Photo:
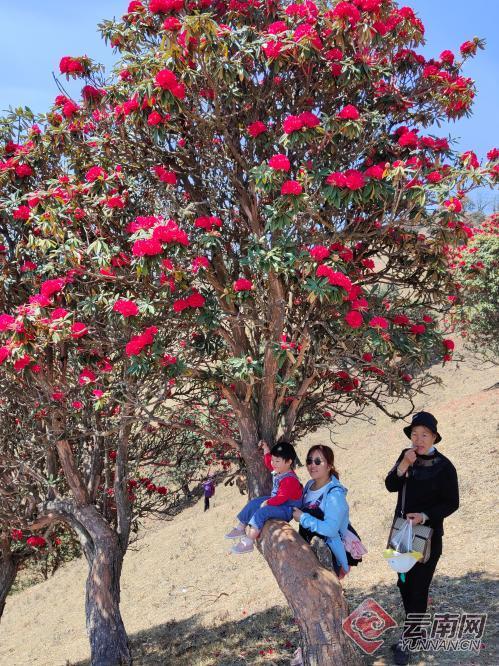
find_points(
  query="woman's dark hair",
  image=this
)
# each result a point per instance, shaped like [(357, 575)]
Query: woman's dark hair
[(328, 454)]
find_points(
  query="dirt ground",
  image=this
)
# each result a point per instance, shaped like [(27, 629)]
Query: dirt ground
[(187, 602)]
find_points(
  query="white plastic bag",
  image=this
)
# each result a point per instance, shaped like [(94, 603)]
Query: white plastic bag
[(402, 540), (400, 556)]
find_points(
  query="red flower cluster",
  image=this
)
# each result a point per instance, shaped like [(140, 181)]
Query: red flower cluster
[(166, 80), (165, 6), (256, 128), (207, 223), (335, 278), (279, 162), (69, 65), (351, 179), (306, 120), (94, 173), (292, 187), (138, 342), (354, 319), (349, 112), (36, 542), (319, 252), (126, 308), (164, 175), (195, 300), (379, 323), (242, 285)]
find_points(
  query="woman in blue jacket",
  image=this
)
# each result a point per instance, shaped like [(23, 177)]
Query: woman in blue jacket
[(325, 510)]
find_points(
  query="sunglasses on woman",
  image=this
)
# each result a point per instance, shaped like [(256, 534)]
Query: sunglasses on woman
[(315, 461)]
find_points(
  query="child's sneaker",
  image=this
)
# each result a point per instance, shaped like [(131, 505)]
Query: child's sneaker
[(244, 546), (322, 552), (235, 533)]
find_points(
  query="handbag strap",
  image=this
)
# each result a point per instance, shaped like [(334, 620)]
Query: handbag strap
[(402, 500)]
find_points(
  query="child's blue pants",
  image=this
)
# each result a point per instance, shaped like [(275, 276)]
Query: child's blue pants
[(254, 516)]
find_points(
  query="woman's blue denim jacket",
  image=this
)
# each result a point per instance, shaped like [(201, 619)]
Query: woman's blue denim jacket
[(336, 516)]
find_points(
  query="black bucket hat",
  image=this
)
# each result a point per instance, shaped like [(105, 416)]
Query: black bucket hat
[(424, 419), (284, 450)]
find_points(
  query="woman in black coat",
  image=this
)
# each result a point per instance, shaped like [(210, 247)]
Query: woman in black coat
[(431, 495)]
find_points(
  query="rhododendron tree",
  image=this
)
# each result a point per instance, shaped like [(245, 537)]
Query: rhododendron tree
[(475, 266), (252, 215)]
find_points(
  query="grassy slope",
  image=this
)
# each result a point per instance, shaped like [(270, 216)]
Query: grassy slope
[(186, 601)]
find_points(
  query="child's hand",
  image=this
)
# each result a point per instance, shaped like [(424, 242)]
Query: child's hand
[(297, 514), (262, 444), (263, 504)]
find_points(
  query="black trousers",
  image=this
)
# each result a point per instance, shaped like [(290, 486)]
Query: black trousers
[(414, 590), (206, 503)]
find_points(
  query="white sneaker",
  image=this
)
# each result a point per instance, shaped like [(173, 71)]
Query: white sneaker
[(235, 533), (244, 546)]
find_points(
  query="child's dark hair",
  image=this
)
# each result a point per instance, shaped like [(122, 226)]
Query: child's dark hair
[(328, 454), (284, 450)]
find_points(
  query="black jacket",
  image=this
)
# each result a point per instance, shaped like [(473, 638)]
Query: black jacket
[(432, 488)]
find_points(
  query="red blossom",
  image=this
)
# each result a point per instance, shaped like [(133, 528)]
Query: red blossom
[(349, 112), (242, 284), (279, 162), (379, 323), (292, 187), (319, 252), (147, 247), (164, 175), (256, 128), (78, 330), (51, 287), (335, 278), (354, 319), (22, 213), (94, 173), (126, 308), (69, 65)]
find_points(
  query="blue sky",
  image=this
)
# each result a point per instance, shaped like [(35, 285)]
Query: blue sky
[(36, 35)]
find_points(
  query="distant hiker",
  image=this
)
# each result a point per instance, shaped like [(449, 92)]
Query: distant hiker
[(208, 490), (286, 494), (324, 517), (427, 487)]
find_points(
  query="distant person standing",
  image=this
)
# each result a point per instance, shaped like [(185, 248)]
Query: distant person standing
[(427, 487), (208, 490)]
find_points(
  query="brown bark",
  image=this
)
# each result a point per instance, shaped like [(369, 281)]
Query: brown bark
[(101, 546), (314, 594), (108, 639), (8, 572)]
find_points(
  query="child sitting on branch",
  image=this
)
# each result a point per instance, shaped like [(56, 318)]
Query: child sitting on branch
[(286, 494)]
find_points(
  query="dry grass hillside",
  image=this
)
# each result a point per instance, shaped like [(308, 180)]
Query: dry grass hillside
[(187, 602)]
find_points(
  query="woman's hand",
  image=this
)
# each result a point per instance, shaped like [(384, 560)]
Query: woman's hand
[(415, 518), (297, 514), (406, 462), (409, 457), (265, 503)]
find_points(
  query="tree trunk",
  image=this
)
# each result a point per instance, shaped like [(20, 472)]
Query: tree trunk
[(106, 632), (101, 546), (8, 572), (314, 594)]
